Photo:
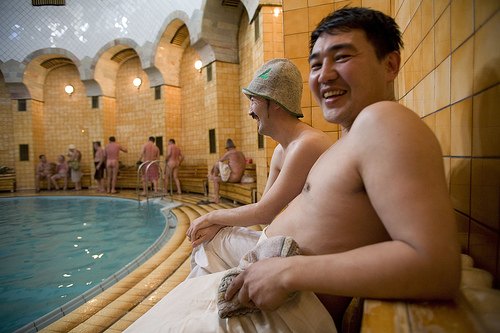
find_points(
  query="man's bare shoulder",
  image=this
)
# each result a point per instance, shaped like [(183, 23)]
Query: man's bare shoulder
[(389, 123), (309, 132), (311, 140), (386, 114)]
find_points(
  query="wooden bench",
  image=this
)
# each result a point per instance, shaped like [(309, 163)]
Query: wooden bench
[(193, 178), (245, 193), (8, 182), (127, 178), (475, 309)]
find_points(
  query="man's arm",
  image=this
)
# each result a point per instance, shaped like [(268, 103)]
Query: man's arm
[(400, 164), (157, 153), (181, 157), (225, 157), (286, 181), (143, 154), (169, 152)]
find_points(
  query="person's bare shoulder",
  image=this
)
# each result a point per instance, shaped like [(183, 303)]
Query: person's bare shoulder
[(391, 134), (311, 141), (390, 119)]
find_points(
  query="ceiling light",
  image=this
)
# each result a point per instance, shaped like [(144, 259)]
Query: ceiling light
[(137, 82), (69, 89), (198, 64)]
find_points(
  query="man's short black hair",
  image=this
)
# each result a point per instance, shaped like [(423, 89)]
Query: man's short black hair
[(381, 30)]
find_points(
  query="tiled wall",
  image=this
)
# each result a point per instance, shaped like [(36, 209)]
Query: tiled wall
[(251, 58), (220, 104), (7, 148), (194, 119), (139, 115), (447, 79), (67, 119), (449, 76)]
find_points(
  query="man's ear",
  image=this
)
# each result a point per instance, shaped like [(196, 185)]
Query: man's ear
[(392, 61)]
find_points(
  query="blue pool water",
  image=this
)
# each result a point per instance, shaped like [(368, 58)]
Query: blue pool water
[(53, 249)]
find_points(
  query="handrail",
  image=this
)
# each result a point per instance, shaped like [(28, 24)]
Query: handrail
[(147, 165)]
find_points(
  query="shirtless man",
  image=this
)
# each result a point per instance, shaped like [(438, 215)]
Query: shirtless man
[(374, 218), (150, 152), (173, 160), (100, 166), (112, 153), (275, 104), (61, 173), (43, 171), (236, 161)]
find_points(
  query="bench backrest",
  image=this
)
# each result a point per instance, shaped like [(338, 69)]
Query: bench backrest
[(193, 171)]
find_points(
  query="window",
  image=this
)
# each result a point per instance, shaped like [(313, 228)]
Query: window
[(209, 72), (211, 140), (24, 152), (256, 24), (159, 143), (21, 105), (48, 2), (158, 92), (95, 102)]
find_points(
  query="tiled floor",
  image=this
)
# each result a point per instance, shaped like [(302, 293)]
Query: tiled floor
[(120, 305)]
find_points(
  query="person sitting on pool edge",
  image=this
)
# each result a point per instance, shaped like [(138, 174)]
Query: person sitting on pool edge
[(275, 94), (374, 211)]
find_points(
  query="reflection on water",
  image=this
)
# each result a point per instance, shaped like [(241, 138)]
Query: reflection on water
[(53, 249)]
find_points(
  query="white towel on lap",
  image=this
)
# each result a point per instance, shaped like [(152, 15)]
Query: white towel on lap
[(224, 251), (278, 246), (192, 307)]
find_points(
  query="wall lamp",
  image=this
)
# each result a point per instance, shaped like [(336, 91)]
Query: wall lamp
[(197, 65), (69, 89), (137, 82)]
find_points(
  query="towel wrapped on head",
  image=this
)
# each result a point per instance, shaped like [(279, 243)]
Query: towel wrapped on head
[(278, 246)]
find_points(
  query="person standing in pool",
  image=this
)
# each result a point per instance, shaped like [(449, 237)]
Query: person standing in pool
[(112, 153)]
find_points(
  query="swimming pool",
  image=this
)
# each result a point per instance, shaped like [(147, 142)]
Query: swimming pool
[(53, 249)]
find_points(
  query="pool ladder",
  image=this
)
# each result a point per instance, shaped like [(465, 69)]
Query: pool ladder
[(161, 190)]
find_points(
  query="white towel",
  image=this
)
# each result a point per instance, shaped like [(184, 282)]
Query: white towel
[(225, 171), (278, 246)]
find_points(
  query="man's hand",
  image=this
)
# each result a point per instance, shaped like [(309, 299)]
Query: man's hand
[(203, 235), (199, 223), (261, 284)]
